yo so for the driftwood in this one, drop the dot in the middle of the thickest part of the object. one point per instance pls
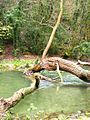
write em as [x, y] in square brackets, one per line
[65, 65]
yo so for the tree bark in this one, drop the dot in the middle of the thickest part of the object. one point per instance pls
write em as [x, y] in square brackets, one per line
[65, 65]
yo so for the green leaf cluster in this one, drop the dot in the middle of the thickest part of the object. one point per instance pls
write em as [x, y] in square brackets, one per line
[5, 32]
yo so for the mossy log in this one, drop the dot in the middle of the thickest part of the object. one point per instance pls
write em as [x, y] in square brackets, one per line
[65, 65]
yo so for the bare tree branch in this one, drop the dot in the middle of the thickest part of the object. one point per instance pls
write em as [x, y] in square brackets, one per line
[53, 31]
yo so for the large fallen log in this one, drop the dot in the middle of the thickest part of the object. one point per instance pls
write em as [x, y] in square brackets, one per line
[65, 65]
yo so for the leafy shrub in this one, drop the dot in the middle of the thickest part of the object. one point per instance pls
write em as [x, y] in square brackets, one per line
[81, 50]
[5, 32]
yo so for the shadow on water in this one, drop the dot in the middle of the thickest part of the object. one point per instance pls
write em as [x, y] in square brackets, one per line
[49, 97]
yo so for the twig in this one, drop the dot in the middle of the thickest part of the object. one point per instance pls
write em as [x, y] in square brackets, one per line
[59, 73]
[83, 63]
[43, 24]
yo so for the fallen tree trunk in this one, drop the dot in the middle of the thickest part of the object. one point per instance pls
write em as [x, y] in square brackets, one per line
[6, 104]
[65, 65]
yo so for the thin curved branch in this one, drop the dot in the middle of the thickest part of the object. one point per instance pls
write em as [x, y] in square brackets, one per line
[83, 63]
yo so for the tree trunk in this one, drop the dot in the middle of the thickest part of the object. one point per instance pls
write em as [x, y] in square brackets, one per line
[65, 65]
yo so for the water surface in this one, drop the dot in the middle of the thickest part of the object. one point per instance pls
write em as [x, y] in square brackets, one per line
[49, 97]
[11, 81]
[57, 99]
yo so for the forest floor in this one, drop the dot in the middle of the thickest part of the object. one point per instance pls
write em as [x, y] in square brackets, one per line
[8, 54]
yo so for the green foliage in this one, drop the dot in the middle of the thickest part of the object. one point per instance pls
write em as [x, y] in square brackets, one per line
[15, 19]
[82, 49]
[32, 22]
[5, 32]
[1, 48]
[15, 64]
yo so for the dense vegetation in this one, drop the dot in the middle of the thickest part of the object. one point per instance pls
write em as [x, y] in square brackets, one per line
[27, 25]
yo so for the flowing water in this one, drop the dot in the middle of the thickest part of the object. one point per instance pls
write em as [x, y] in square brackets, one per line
[49, 97]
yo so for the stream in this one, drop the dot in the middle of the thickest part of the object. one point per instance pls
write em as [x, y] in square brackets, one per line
[73, 96]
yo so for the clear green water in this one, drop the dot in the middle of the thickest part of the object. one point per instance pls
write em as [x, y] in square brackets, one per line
[54, 98]
[67, 99]
[10, 82]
